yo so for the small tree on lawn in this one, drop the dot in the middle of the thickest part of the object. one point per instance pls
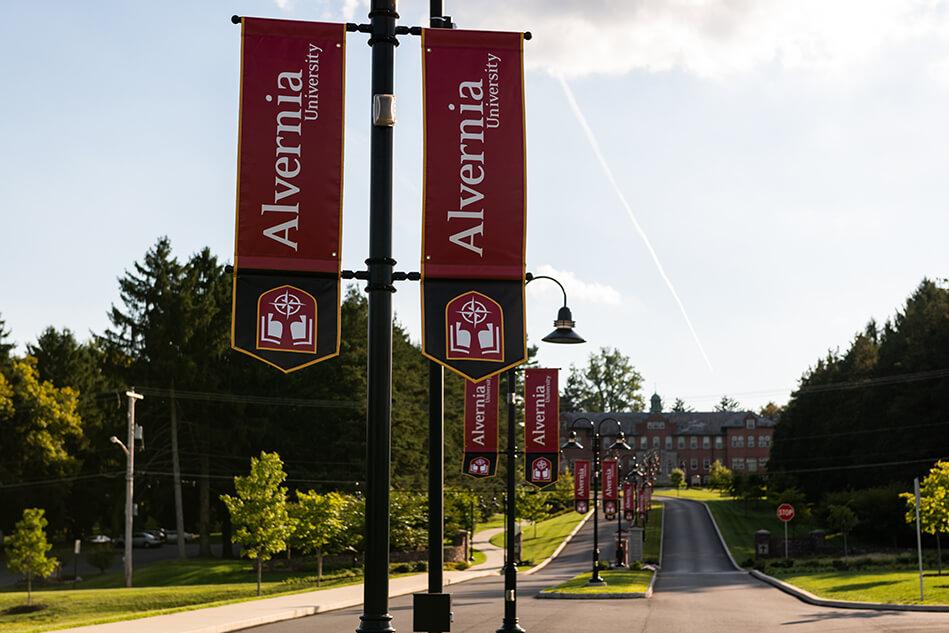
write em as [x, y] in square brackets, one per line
[933, 505]
[677, 477]
[318, 524]
[532, 506]
[28, 549]
[101, 556]
[719, 476]
[843, 519]
[259, 511]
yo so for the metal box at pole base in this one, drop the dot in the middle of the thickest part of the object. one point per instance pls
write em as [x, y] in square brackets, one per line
[635, 544]
[431, 612]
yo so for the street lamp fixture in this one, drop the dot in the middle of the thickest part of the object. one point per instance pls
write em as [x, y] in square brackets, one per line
[619, 444]
[564, 323]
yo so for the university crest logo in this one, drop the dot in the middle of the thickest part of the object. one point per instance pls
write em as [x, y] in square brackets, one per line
[286, 320]
[475, 328]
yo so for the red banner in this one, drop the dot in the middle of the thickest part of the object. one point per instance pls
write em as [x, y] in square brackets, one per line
[481, 428]
[541, 426]
[610, 473]
[285, 308]
[474, 201]
[628, 495]
[581, 485]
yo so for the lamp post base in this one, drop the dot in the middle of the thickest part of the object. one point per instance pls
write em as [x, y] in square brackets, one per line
[511, 627]
[597, 582]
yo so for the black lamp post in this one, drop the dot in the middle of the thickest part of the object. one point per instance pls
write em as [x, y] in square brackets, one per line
[563, 334]
[619, 445]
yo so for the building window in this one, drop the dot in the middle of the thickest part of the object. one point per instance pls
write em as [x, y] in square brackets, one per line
[752, 465]
[693, 442]
[695, 464]
[706, 463]
[706, 441]
[681, 442]
[750, 423]
[668, 442]
[644, 442]
[718, 442]
[751, 441]
[655, 441]
[762, 462]
[738, 441]
[738, 463]
[764, 441]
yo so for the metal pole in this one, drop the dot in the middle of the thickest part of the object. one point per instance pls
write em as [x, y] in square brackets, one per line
[129, 481]
[436, 478]
[595, 577]
[436, 438]
[619, 514]
[176, 474]
[785, 540]
[919, 539]
[375, 616]
[510, 625]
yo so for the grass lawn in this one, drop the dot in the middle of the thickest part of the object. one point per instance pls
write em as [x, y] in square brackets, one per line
[479, 557]
[653, 534]
[496, 521]
[738, 522]
[617, 581]
[162, 587]
[897, 587]
[538, 542]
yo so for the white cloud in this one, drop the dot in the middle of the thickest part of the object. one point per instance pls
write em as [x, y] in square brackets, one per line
[709, 38]
[577, 289]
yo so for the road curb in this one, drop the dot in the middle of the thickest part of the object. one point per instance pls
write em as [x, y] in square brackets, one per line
[557, 595]
[809, 598]
[563, 544]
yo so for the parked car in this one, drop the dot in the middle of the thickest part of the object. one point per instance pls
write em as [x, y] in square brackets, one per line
[141, 539]
[172, 537]
[159, 533]
[98, 538]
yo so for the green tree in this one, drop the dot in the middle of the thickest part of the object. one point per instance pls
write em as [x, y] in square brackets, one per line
[259, 511]
[6, 347]
[728, 403]
[771, 411]
[933, 505]
[677, 477]
[40, 431]
[531, 505]
[719, 476]
[609, 382]
[101, 556]
[317, 524]
[28, 549]
[842, 519]
[679, 406]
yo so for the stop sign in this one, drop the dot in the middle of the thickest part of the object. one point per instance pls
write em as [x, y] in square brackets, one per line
[785, 512]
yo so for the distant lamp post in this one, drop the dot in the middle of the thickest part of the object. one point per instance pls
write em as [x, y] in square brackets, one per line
[618, 445]
[134, 434]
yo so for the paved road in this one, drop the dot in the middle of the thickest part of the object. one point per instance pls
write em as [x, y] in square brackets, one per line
[697, 591]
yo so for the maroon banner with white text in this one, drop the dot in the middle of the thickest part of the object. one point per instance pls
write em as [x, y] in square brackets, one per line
[474, 211]
[481, 427]
[285, 307]
[628, 495]
[581, 486]
[541, 426]
[610, 473]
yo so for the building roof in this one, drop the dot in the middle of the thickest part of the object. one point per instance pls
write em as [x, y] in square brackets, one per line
[693, 423]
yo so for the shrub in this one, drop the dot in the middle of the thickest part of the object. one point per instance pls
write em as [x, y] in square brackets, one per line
[101, 556]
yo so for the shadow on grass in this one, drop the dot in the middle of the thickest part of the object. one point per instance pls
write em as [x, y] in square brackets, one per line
[23, 609]
[858, 586]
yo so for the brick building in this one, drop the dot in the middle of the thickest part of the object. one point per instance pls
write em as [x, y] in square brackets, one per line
[741, 440]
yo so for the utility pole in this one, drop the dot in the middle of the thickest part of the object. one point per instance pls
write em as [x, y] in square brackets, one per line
[129, 450]
[176, 473]
[919, 539]
[375, 617]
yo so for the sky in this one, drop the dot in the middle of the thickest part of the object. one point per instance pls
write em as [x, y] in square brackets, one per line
[727, 188]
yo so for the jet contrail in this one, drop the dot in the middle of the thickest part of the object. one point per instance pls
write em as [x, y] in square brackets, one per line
[575, 107]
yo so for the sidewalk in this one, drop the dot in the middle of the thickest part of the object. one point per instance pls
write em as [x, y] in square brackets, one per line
[242, 615]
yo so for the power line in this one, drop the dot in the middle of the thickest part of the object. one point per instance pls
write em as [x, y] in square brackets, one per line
[210, 396]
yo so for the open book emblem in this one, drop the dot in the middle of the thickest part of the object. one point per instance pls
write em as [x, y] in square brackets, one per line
[286, 320]
[475, 326]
